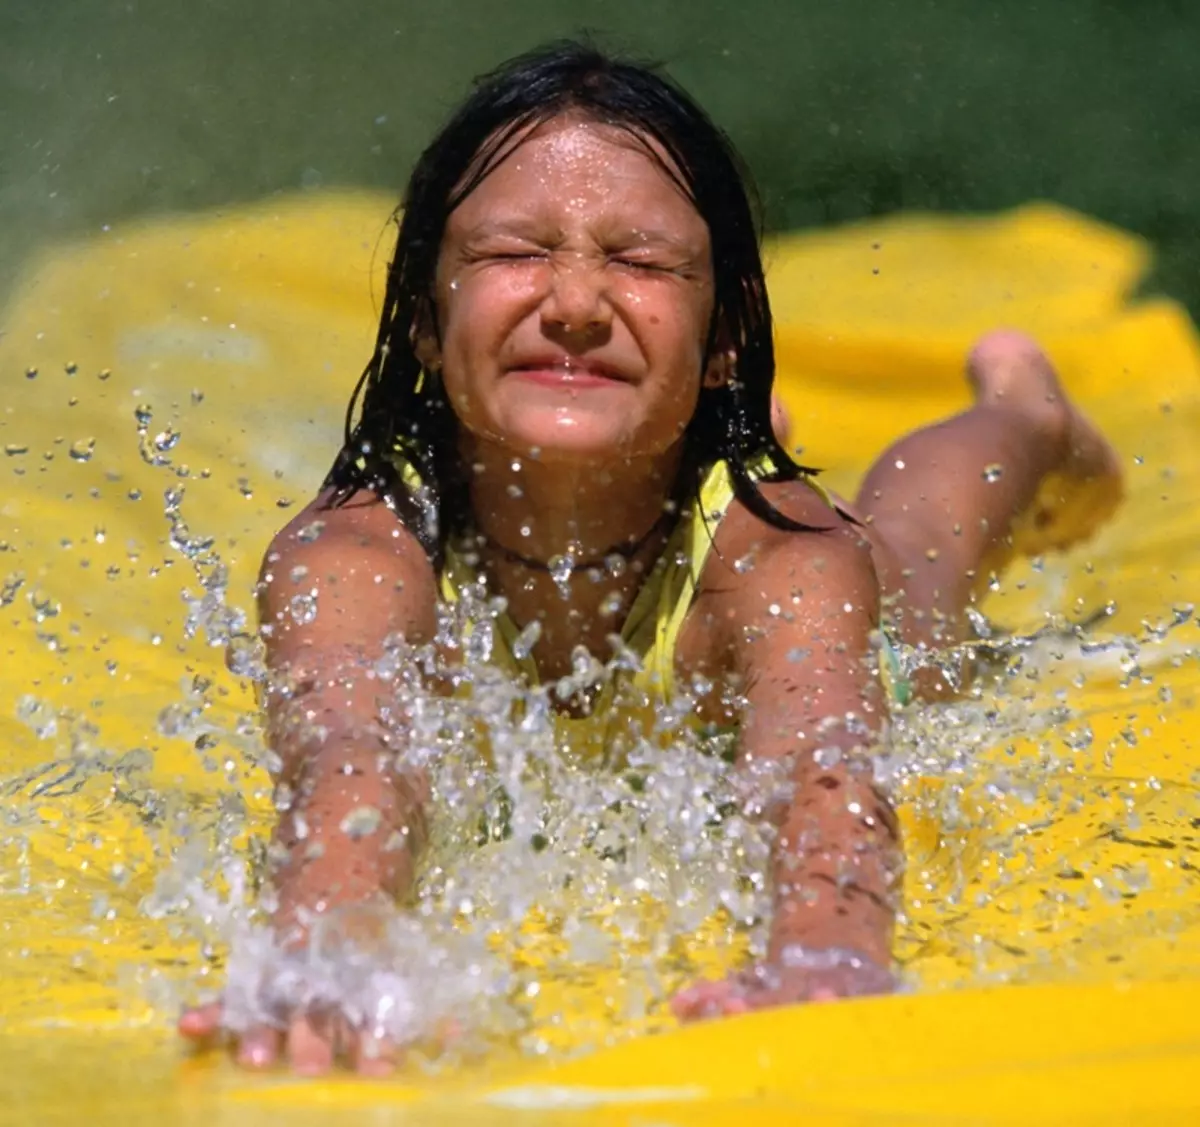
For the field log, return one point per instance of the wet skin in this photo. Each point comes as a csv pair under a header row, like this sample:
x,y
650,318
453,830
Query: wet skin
x,y
574,293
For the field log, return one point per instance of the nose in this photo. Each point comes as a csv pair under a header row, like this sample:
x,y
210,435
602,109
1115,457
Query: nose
x,y
577,301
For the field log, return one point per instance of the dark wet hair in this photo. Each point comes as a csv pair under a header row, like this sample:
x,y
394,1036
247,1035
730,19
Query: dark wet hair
x,y
404,409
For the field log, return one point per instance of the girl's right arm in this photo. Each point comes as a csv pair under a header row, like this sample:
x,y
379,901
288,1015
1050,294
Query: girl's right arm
x,y
337,587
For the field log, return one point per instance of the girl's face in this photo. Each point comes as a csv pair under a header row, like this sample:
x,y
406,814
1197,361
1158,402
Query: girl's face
x,y
574,295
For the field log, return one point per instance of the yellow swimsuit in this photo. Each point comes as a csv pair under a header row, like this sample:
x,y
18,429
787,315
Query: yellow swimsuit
x,y
651,629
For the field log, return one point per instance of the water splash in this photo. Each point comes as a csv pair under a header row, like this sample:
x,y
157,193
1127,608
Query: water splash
x,y
547,870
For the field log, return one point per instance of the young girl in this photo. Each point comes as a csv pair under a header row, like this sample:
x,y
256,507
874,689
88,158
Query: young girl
x,y
570,397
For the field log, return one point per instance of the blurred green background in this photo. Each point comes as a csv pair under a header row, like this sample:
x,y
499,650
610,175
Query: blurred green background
x,y
111,109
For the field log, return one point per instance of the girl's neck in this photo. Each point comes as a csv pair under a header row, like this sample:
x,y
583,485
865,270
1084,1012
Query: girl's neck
x,y
540,510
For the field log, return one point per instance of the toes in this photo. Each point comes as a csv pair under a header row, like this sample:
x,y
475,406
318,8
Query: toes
x,y
1003,347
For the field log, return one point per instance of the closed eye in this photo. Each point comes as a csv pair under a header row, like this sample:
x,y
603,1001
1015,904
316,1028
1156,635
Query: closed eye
x,y
642,264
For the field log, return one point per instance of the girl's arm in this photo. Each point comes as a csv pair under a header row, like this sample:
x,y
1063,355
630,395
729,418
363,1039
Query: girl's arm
x,y
800,627
354,821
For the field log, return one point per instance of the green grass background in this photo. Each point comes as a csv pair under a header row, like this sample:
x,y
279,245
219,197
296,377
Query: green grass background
x,y
111,109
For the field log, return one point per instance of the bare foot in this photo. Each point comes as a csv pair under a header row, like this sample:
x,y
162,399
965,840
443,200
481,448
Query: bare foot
x,y
1076,497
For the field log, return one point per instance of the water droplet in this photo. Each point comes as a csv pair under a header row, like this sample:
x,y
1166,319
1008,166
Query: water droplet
x,y
993,472
615,564
166,440
744,564
83,449
311,532
529,637
104,374
283,502
12,449
303,609
31,373
560,568
71,367
245,656
611,604
361,822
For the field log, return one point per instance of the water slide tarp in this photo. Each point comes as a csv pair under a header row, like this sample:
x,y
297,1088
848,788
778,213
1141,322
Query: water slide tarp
x,y
1054,932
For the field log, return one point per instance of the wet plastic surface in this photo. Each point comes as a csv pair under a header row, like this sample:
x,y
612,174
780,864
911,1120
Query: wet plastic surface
x,y
1082,898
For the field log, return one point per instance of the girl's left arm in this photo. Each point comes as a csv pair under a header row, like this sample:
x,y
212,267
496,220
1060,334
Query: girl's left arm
x,y
802,641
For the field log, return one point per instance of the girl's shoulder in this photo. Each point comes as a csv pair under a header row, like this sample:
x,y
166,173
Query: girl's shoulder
x,y
362,521
833,532
357,551
758,575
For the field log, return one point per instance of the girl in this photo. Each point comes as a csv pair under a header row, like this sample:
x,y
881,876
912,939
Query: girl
x,y
570,398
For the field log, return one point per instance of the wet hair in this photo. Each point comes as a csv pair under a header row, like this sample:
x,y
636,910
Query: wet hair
x,y
400,408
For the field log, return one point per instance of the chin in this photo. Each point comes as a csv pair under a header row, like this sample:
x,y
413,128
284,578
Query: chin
x,y
569,437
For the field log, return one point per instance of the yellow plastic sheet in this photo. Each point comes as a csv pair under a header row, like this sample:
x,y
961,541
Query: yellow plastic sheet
x,y
244,332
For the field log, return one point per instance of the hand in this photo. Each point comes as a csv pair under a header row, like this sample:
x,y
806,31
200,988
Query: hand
x,y
799,974
309,1042
323,995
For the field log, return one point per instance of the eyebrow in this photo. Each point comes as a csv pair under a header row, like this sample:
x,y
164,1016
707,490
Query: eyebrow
x,y
523,226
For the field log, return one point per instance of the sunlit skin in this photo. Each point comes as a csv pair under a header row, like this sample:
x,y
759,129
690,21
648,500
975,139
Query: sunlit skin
x,y
574,295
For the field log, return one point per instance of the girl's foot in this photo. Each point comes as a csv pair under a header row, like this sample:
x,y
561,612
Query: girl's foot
x,y
1084,486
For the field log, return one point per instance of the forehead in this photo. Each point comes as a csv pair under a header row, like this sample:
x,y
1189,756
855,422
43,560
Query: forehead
x,y
571,164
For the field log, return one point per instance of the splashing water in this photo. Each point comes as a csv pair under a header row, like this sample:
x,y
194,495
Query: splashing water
x,y
549,874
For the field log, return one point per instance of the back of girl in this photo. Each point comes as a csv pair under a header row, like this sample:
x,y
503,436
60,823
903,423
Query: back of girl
x,y
569,408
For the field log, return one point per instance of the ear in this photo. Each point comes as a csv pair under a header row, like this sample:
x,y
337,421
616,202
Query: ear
x,y
425,342
720,368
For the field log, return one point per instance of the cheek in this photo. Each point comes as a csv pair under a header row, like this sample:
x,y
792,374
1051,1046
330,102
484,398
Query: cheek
x,y
676,342
673,326
479,311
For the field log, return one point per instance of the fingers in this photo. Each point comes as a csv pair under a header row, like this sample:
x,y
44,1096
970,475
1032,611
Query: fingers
x,y
310,1046
710,999
373,1056
259,1048
201,1023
